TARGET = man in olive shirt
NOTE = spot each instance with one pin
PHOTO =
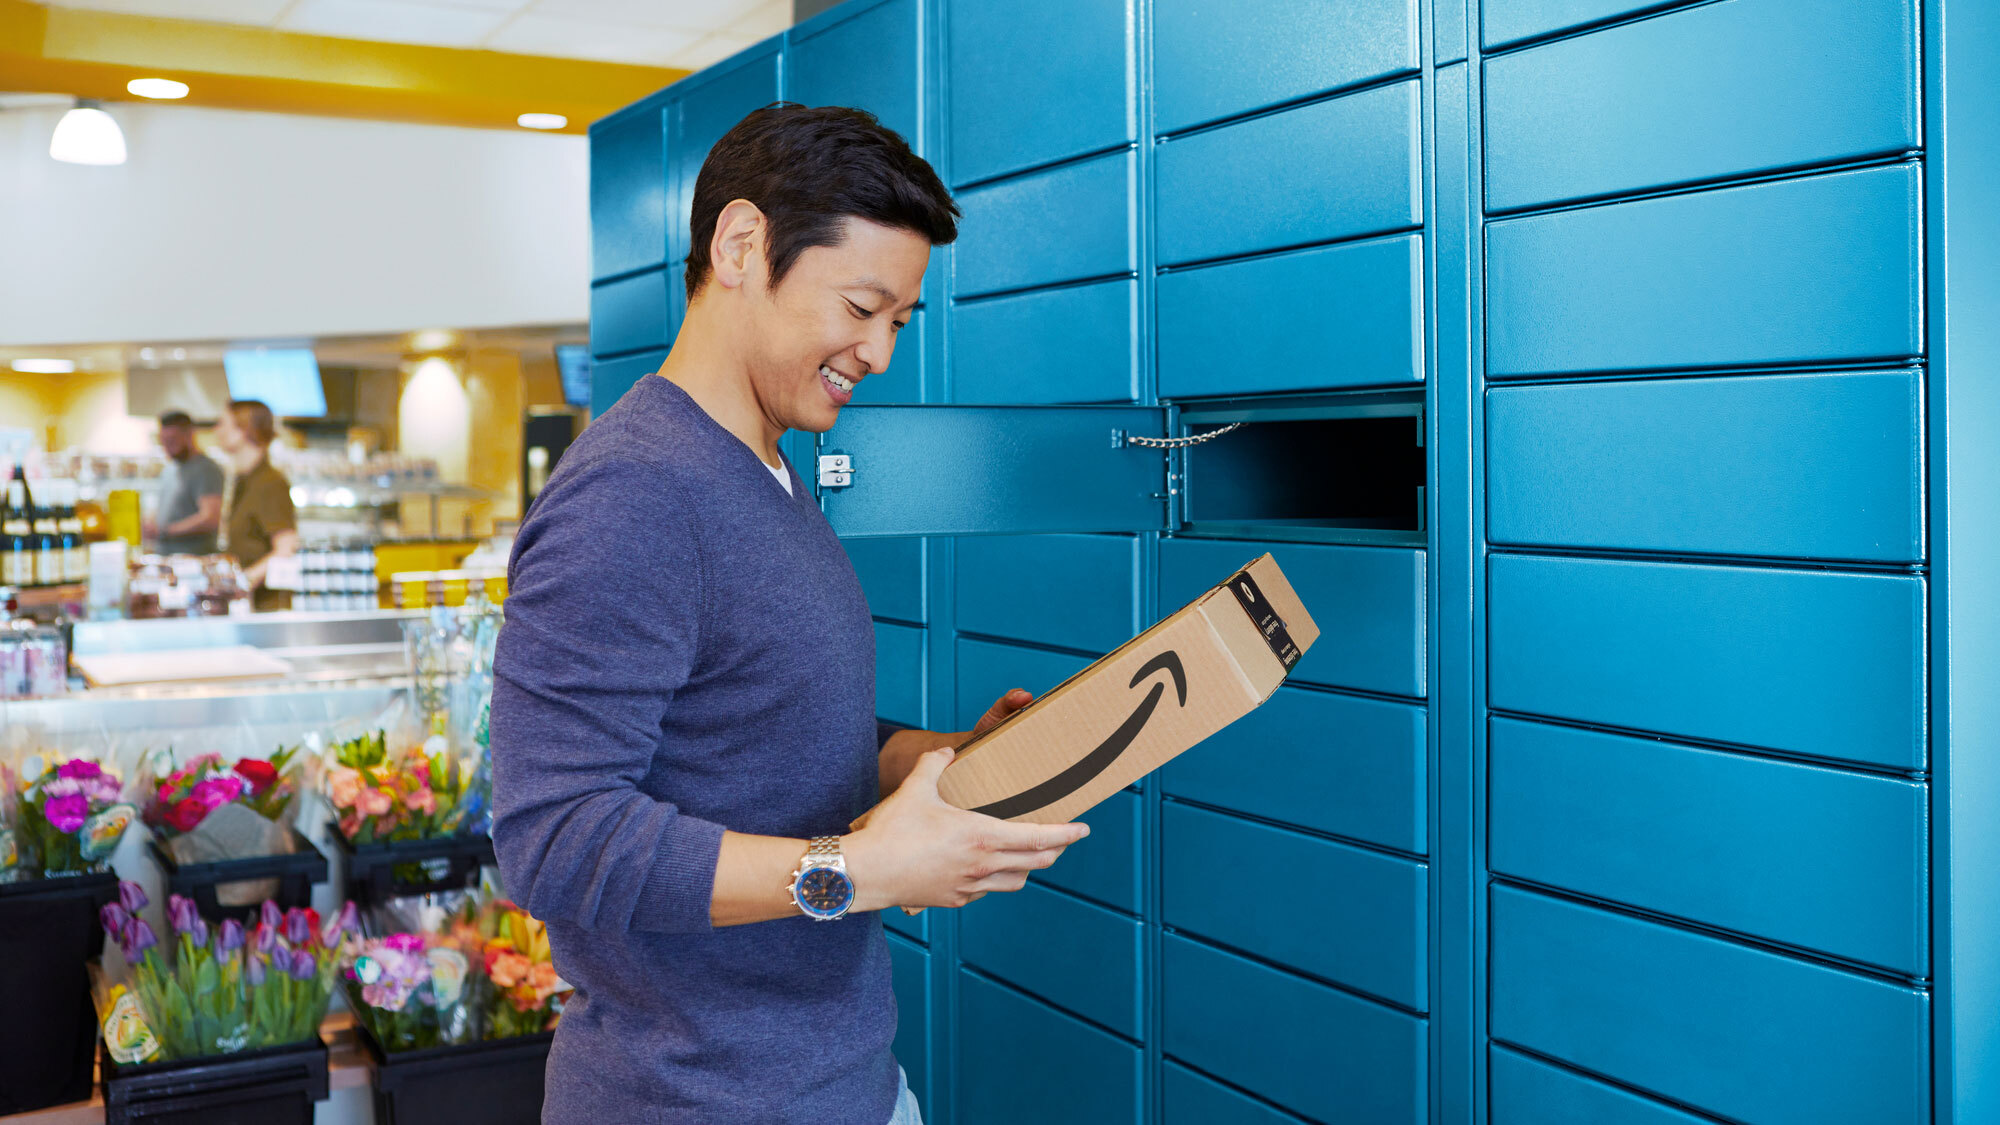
(191, 494)
(261, 522)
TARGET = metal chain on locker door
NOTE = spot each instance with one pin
(1181, 442)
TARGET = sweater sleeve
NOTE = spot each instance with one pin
(603, 613)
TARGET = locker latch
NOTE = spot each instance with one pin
(836, 470)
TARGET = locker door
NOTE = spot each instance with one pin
(995, 470)
(706, 113)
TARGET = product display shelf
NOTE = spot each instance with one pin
(296, 872)
(378, 872)
(272, 1086)
(495, 1081)
(48, 931)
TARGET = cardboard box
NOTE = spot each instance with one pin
(1187, 677)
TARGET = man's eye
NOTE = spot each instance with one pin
(859, 312)
(897, 325)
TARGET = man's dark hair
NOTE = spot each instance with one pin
(176, 418)
(809, 170)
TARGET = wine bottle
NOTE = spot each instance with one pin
(48, 542)
(76, 556)
(17, 534)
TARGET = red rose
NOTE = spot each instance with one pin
(259, 773)
(186, 814)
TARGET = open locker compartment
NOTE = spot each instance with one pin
(1342, 468)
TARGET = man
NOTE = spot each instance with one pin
(262, 523)
(190, 509)
(684, 690)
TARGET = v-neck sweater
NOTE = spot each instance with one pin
(687, 649)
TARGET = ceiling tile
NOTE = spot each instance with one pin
(712, 49)
(432, 25)
(688, 15)
(537, 34)
(764, 21)
(258, 13)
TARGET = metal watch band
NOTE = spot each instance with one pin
(821, 851)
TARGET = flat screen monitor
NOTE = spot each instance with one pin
(284, 379)
(573, 360)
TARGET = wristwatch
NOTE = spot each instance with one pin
(821, 886)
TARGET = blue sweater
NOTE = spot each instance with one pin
(687, 649)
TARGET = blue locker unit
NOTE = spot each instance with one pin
(1628, 782)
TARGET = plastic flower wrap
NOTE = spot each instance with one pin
(71, 815)
(181, 800)
(215, 990)
(524, 993)
(410, 992)
(412, 793)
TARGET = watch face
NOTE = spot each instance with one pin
(825, 890)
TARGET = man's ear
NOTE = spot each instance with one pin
(738, 245)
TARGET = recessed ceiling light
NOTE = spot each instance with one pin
(165, 88)
(45, 366)
(542, 121)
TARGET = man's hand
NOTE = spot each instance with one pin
(905, 747)
(918, 851)
(1004, 706)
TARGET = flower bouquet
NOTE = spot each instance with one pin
(215, 990)
(410, 992)
(69, 817)
(523, 995)
(380, 795)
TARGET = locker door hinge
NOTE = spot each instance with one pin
(836, 470)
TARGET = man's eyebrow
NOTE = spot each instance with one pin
(876, 287)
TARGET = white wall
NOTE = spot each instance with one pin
(228, 225)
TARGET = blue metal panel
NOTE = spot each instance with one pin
(910, 972)
(630, 314)
(891, 573)
(1355, 917)
(1035, 81)
(1334, 763)
(1019, 1061)
(1076, 591)
(1322, 1052)
(916, 927)
(1796, 271)
(986, 669)
(1065, 224)
(1819, 858)
(899, 674)
(1338, 316)
(710, 107)
(1105, 866)
(1188, 1098)
(826, 67)
(973, 470)
(1511, 21)
(1074, 344)
(1093, 971)
(1274, 177)
(1531, 1092)
(1219, 60)
(1734, 1030)
(1828, 665)
(611, 378)
(628, 194)
(1811, 466)
(1718, 90)
(1369, 604)
(903, 382)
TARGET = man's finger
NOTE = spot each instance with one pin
(1027, 860)
(1006, 705)
(1036, 837)
(930, 766)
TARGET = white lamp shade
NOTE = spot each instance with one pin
(87, 135)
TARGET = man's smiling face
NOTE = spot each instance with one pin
(831, 322)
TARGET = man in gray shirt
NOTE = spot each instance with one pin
(190, 494)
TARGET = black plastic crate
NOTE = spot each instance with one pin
(296, 873)
(48, 932)
(493, 1082)
(271, 1086)
(379, 872)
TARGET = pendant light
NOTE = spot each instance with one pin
(87, 135)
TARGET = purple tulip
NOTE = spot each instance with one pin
(228, 936)
(132, 897)
(182, 915)
(265, 939)
(270, 916)
(348, 921)
(304, 966)
(298, 927)
(114, 917)
(136, 940)
(253, 970)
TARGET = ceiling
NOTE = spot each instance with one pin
(682, 34)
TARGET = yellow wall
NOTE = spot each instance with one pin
(81, 410)
(464, 412)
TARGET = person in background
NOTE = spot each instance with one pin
(261, 522)
(190, 495)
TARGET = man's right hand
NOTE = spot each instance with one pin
(916, 850)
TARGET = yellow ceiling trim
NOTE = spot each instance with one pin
(93, 54)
